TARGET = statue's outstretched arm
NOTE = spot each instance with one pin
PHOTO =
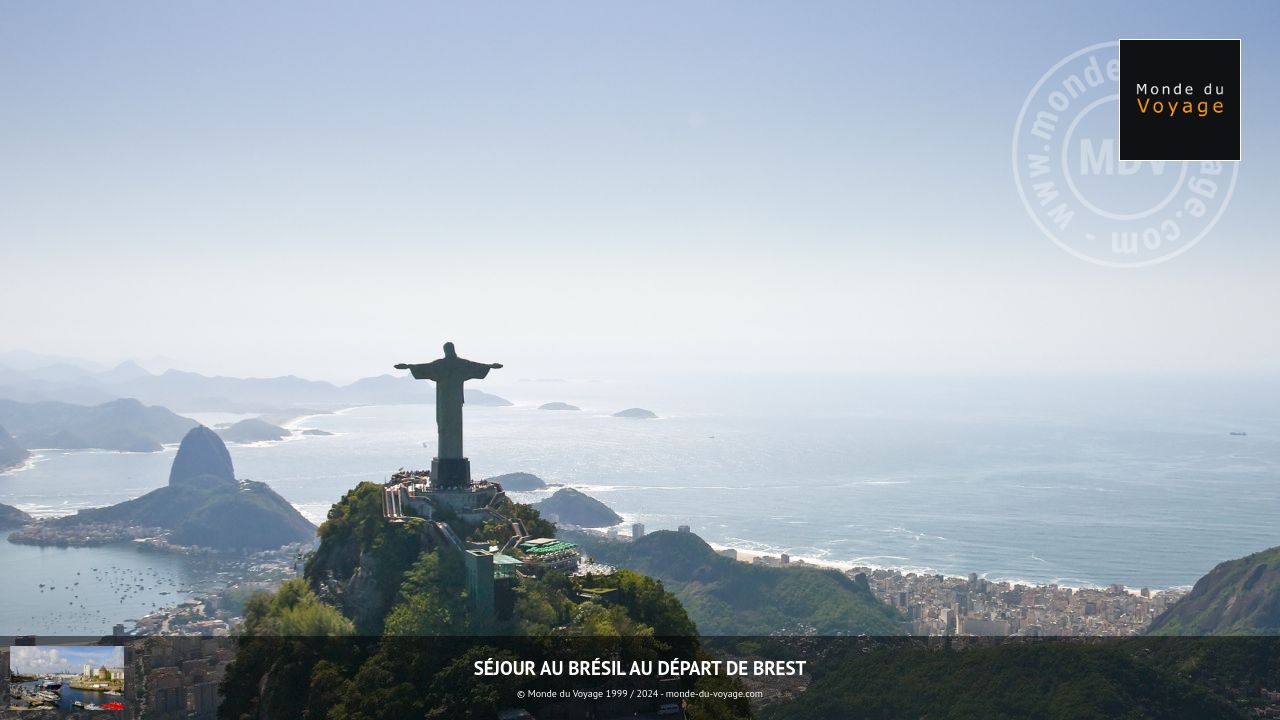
(495, 366)
(402, 366)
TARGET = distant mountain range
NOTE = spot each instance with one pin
(115, 425)
(191, 392)
(63, 405)
(1238, 597)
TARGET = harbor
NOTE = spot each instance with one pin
(65, 696)
(66, 677)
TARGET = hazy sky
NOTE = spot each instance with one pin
(326, 189)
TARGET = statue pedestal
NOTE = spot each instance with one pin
(450, 472)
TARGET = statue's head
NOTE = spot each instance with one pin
(449, 351)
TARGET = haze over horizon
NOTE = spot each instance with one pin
(266, 190)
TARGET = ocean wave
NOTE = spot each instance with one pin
(913, 533)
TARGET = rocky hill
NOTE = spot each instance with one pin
(1238, 597)
(519, 481)
(203, 505)
(45, 379)
(728, 597)
(11, 517)
(410, 600)
(576, 508)
(11, 453)
(202, 460)
(125, 424)
(189, 390)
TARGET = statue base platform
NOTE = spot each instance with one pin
(450, 472)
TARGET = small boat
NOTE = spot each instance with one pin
(1239, 434)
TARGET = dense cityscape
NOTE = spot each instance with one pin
(940, 605)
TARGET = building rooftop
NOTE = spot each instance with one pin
(535, 548)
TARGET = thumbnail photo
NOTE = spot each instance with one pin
(68, 678)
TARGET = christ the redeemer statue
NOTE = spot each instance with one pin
(450, 468)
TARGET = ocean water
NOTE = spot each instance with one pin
(1083, 482)
(86, 591)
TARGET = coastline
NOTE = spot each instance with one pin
(293, 422)
(749, 556)
(29, 462)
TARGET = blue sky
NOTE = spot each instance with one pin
(39, 660)
(326, 188)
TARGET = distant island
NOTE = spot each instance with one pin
(124, 424)
(639, 413)
(577, 508)
(558, 406)
(519, 481)
(253, 430)
(203, 506)
(11, 517)
(317, 432)
(64, 382)
(11, 453)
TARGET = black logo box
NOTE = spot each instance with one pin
(1211, 132)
